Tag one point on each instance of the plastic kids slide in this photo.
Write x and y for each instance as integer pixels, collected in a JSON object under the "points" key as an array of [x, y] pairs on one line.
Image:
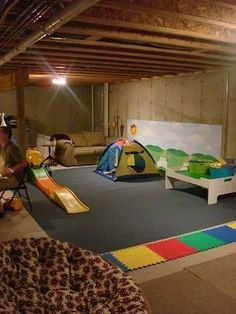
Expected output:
{"points": [[59, 194]]}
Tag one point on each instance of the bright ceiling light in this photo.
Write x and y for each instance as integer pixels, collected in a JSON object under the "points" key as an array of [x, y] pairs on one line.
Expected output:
{"points": [[59, 80]]}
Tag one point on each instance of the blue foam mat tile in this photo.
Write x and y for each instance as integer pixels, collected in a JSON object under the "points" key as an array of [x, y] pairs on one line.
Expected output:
{"points": [[110, 258], [224, 233]]}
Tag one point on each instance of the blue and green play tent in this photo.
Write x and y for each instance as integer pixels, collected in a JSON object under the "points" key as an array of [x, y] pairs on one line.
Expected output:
{"points": [[125, 159]]}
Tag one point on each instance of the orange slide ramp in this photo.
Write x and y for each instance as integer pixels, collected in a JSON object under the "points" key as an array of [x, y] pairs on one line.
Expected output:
{"points": [[59, 194]]}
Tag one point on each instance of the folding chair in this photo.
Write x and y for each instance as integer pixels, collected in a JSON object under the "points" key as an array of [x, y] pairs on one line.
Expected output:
{"points": [[19, 190]]}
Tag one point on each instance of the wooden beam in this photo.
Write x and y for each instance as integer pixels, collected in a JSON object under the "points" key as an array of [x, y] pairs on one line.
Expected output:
{"points": [[125, 62], [127, 70], [85, 58], [14, 79], [121, 67], [139, 47], [205, 57], [166, 13], [157, 29], [7, 82], [230, 5], [21, 77], [145, 38]]}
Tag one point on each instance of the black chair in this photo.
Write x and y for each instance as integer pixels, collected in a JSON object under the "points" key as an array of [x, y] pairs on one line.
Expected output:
{"points": [[20, 190]]}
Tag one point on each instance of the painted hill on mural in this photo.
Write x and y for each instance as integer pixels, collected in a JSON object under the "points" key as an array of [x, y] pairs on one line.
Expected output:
{"points": [[175, 157]]}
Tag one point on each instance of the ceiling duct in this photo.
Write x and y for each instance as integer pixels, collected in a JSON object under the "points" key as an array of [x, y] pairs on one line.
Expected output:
{"points": [[49, 27]]}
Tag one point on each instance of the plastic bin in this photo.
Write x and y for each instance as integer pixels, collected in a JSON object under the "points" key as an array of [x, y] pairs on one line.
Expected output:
{"points": [[34, 157], [221, 172], [199, 167]]}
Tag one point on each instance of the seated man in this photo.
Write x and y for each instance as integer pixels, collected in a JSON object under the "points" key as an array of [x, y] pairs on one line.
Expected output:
{"points": [[12, 163]]}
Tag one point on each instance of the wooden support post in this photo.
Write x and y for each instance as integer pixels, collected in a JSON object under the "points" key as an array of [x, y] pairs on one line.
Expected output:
{"points": [[106, 105], [225, 118], [92, 107], [20, 104], [21, 79]]}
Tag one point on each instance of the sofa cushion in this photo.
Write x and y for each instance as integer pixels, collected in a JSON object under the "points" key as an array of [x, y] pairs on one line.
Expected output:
{"points": [[94, 138], [79, 139], [79, 151]]}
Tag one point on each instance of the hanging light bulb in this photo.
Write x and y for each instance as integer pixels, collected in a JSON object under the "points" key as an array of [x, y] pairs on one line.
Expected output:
{"points": [[59, 80]]}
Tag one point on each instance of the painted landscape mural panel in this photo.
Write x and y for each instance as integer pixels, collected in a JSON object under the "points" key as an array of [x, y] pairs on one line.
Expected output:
{"points": [[174, 144]]}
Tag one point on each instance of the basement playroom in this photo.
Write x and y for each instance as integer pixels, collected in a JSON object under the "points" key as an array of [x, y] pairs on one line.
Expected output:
{"points": [[127, 203]]}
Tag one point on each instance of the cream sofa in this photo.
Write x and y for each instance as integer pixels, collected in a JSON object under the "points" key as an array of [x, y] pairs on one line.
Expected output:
{"points": [[83, 148]]}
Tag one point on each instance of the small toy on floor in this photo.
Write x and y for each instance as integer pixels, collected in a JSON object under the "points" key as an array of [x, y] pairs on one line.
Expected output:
{"points": [[14, 204]]}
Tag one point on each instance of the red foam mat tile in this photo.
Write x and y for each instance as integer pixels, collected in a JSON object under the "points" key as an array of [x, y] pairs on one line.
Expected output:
{"points": [[171, 248]]}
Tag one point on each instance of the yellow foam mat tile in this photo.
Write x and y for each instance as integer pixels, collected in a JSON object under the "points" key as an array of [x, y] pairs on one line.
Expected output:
{"points": [[137, 256], [232, 224]]}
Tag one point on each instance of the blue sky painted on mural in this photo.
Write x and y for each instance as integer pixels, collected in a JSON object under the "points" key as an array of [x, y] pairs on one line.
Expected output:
{"points": [[189, 137]]}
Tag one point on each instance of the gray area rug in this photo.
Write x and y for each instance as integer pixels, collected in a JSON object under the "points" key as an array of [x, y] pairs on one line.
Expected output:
{"points": [[123, 214]]}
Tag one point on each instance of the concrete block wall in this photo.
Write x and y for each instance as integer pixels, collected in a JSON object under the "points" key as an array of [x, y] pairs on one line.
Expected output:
{"points": [[52, 110], [199, 98]]}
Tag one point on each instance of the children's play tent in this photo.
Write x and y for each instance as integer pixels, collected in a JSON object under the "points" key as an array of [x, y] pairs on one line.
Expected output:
{"points": [[125, 159]]}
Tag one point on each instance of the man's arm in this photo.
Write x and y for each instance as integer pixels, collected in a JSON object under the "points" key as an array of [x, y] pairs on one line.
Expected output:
{"points": [[20, 166]]}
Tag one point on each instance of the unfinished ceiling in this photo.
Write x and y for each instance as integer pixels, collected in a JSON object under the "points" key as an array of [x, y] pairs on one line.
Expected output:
{"points": [[94, 41]]}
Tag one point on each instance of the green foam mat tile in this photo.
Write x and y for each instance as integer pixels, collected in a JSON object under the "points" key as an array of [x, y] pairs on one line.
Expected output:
{"points": [[200, 241]]}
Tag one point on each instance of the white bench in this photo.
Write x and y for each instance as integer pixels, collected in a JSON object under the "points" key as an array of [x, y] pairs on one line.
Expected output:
{"points": [[215, 187]]}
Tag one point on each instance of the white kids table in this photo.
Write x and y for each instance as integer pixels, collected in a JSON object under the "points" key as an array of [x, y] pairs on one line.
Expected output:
{"points": [[215, 187]]}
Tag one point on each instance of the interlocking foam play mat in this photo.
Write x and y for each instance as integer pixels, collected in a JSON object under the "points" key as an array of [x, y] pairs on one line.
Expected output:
{"points": [[143, 255]]}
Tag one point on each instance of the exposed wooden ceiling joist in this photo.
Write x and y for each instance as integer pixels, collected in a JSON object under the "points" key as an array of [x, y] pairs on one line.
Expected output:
{"points": [[167, 13], [109, 40]]}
